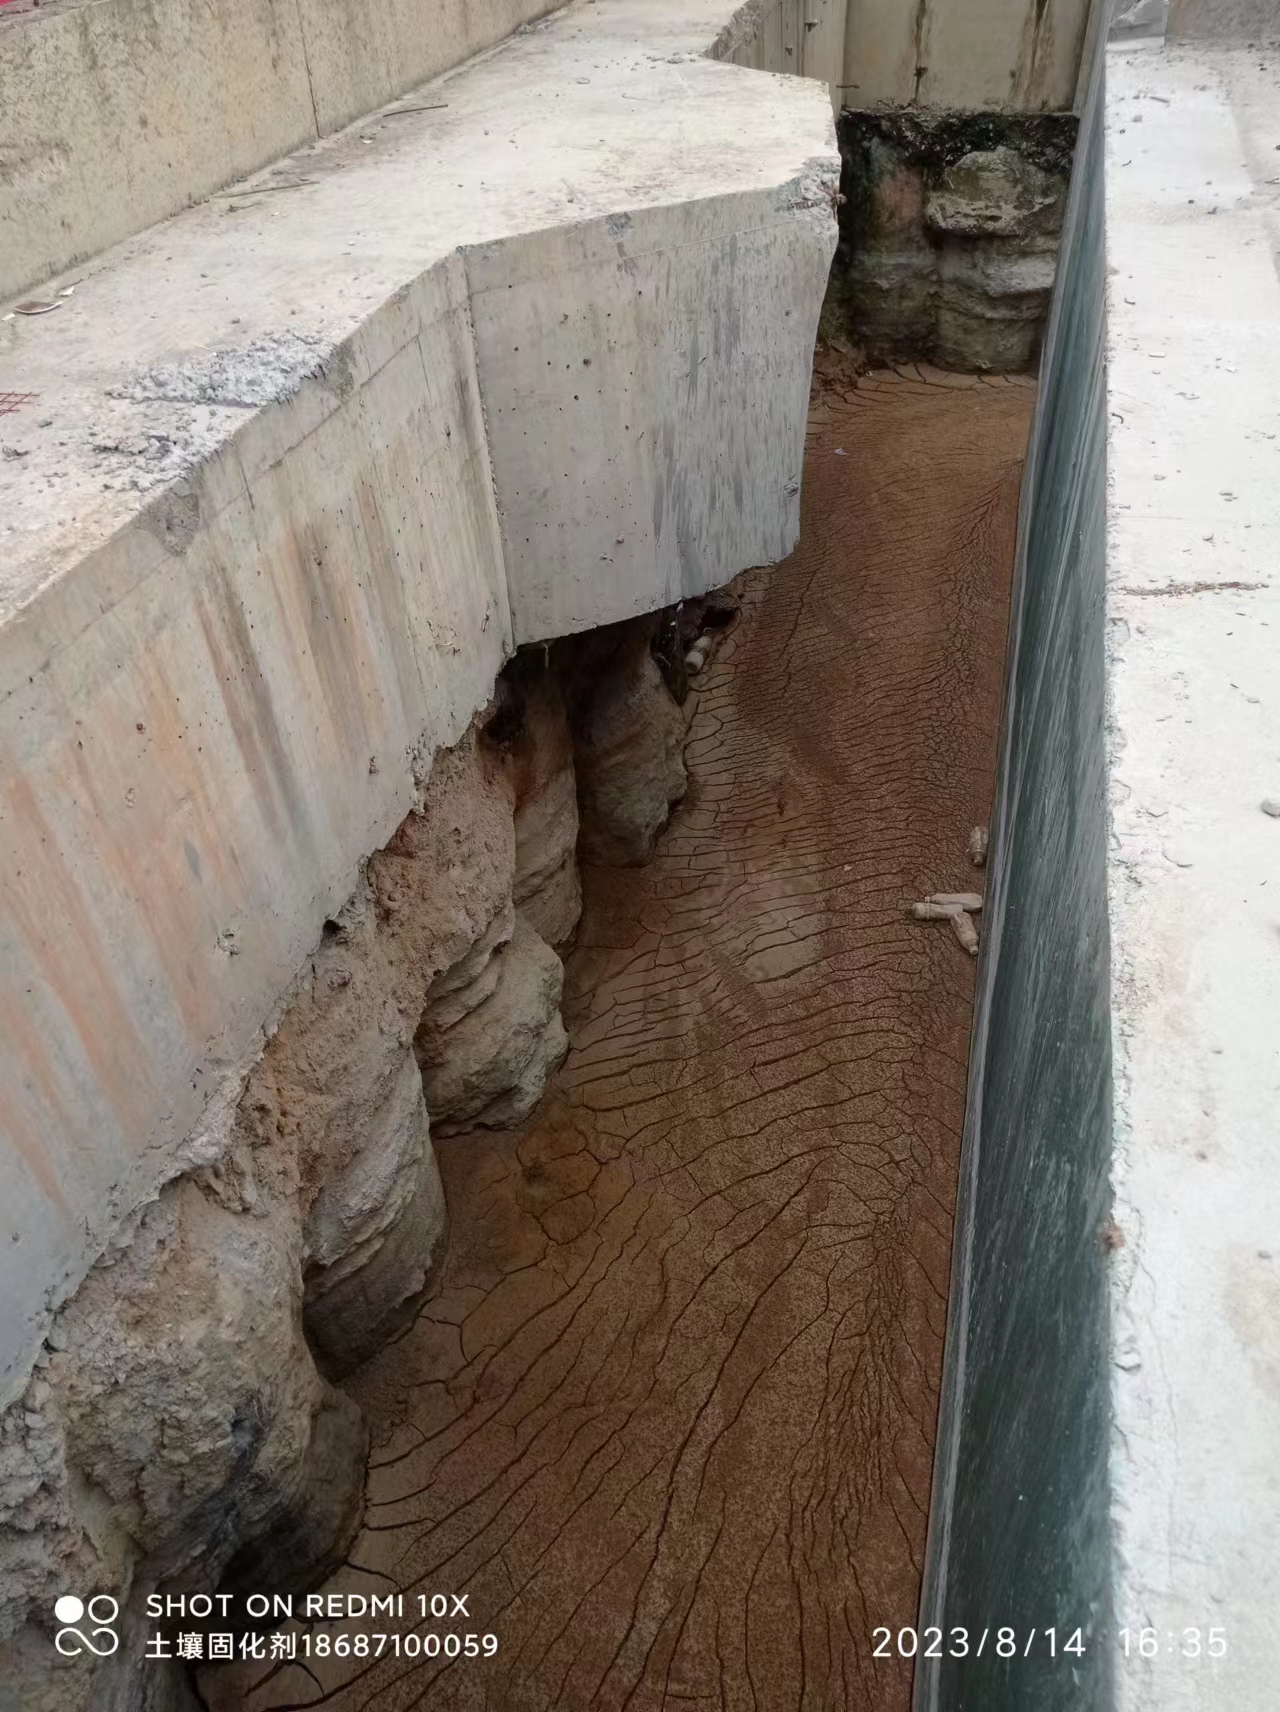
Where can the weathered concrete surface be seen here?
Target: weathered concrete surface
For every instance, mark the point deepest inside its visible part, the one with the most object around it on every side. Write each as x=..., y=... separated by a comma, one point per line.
x=803, y=38
x=667, y=1417
x=261, y=557
x=120, y=112
x=1193, y=233
x=1018, y=54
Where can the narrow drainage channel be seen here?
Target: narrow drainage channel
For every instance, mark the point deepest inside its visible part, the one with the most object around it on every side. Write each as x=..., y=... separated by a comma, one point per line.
x=666, y=1423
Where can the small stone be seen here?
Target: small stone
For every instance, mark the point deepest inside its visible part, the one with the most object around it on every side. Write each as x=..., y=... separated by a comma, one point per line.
x=1271, y=806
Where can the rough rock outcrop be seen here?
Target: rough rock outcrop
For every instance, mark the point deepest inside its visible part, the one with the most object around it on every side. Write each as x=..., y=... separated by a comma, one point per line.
x=336, y=1088
x=996, y=193
x=490, y=1065
x=629, y=744
x=375, y=1233
x=182, y=1430
x=949, y=236
x=547, y=888
x=180, y=1415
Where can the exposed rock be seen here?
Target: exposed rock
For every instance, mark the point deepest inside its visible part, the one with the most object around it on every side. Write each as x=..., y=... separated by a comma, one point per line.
x=491, y=1066
x=553, y=904
x=336, y=1091
x=177, y=1432
x=180, y=1423
x=375, y=1233
x=187, y=1392
x=547, y=888
x=996, y=193
x=629, y=736
x=949, y=236
x=991, y=306
x=473, y=977
x=316, y=1519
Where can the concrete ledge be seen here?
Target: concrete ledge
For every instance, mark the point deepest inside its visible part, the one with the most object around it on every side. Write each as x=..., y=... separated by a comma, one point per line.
x=1193, y=222
x=118, y=113
x=301, y=468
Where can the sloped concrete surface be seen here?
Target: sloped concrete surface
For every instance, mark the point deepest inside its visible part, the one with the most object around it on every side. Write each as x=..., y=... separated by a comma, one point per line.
x=234, y=632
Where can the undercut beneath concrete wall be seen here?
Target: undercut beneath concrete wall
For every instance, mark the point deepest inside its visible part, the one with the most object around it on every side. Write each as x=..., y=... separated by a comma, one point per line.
x=663, y=1421
x=183, y=1434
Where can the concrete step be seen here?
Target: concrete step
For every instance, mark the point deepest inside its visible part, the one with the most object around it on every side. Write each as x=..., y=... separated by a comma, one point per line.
x=120, y=112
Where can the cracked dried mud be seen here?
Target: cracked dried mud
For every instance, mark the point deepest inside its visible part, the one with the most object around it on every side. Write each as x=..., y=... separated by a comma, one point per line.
x=667, y=1419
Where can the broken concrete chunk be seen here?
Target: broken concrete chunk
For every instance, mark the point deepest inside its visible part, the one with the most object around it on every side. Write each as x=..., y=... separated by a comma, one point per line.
x=957, y=900
x=978, y=840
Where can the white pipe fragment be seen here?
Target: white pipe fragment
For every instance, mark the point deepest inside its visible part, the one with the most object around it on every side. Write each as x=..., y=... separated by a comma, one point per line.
x=965, y=931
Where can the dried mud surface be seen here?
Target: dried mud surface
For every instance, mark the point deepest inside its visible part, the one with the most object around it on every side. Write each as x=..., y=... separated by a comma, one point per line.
x=667, y=1421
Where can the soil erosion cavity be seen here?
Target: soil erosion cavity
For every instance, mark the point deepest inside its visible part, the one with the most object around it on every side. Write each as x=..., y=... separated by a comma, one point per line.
x=667, y=1419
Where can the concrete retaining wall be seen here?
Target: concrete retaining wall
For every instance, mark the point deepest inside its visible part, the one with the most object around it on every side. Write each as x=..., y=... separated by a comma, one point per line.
x=296, y=473
x=115, y=114
x=1018, y=54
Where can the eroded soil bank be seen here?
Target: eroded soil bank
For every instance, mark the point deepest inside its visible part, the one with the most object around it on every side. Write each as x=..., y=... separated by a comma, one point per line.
x=667, y=1419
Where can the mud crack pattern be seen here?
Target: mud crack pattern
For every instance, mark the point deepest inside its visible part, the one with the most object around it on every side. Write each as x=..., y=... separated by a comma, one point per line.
x=668, y=1419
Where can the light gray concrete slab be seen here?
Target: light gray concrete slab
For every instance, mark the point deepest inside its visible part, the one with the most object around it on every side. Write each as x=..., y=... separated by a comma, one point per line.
x=119, y=112
x=1194, y=637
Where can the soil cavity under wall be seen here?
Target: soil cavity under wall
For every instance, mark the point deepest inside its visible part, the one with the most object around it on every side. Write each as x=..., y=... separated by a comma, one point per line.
x=186, y=1428
x=949, y=234
x=666, y=1417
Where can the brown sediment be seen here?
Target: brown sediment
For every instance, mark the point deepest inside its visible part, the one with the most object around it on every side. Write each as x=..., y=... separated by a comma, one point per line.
x=667, y=1420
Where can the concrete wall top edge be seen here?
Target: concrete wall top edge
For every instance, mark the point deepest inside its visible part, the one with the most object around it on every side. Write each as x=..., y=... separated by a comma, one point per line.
x=119, y=113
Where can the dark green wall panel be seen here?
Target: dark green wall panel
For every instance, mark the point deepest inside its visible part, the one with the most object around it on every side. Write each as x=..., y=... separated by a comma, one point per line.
x=1019, y=1529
